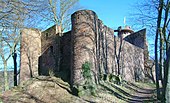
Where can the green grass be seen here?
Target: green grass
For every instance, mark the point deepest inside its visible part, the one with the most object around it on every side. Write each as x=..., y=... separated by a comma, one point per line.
x=112, y=93
x=148, y=85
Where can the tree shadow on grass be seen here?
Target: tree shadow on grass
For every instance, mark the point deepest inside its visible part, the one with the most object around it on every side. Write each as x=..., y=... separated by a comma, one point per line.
x=138, y=89
x=125, y=96
x=135, y=97
x=119, y=96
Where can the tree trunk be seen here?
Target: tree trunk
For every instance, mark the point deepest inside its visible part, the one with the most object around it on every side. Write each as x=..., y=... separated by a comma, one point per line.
x=6, y=84
x=161, y=61
x=15, y=68
x=157, y=68
x=119, y=55
x=168, y=78
x=156, y=47
x=166, y=66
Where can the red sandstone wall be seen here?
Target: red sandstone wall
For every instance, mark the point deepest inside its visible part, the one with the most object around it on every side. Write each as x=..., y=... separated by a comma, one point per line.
x=132, y=62
x=47, y=62
x=48, y=38
x=49, y=51
x=90, y=40
x=83, y=42
x=115, y=54
x=30, y=51
x=66, y=51
x=94, y=42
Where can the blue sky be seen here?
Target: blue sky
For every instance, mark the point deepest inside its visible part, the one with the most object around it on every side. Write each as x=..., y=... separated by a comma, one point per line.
x=111, y=12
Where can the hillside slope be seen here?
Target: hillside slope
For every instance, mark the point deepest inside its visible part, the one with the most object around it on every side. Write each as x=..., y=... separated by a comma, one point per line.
x=41, y=90
x=54, y=90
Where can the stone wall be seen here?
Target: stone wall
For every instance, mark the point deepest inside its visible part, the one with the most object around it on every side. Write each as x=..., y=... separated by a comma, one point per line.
x=66, y=51
x=49, y=51
x=94, y=42
x=89, y=40
x=30, y=51
x=137, y=38
x=83, y=42
x=48, y=38
x=118, y=56
x=47, y=62
x=132, y=62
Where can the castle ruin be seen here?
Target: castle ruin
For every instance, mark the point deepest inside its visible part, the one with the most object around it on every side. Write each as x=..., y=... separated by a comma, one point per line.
x=88, y=40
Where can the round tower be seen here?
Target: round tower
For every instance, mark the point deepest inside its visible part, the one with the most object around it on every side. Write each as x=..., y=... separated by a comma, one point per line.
x=84, y=24
x=123, y=32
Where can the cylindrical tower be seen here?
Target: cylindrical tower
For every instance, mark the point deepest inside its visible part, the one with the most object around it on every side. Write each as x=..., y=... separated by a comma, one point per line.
x=84, y=25
x=123, y=32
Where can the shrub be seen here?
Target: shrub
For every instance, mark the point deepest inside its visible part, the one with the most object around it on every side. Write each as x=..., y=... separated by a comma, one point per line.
x=87, y=74
x=86, y=71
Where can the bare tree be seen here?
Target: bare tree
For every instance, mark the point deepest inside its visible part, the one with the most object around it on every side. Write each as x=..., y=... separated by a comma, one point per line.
x=167, y=90
x=5, y=54
x=59, y=12
x=154, y=14
x=8, y=19
x=18, y=14
x=156, y=46
x=12, y=16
